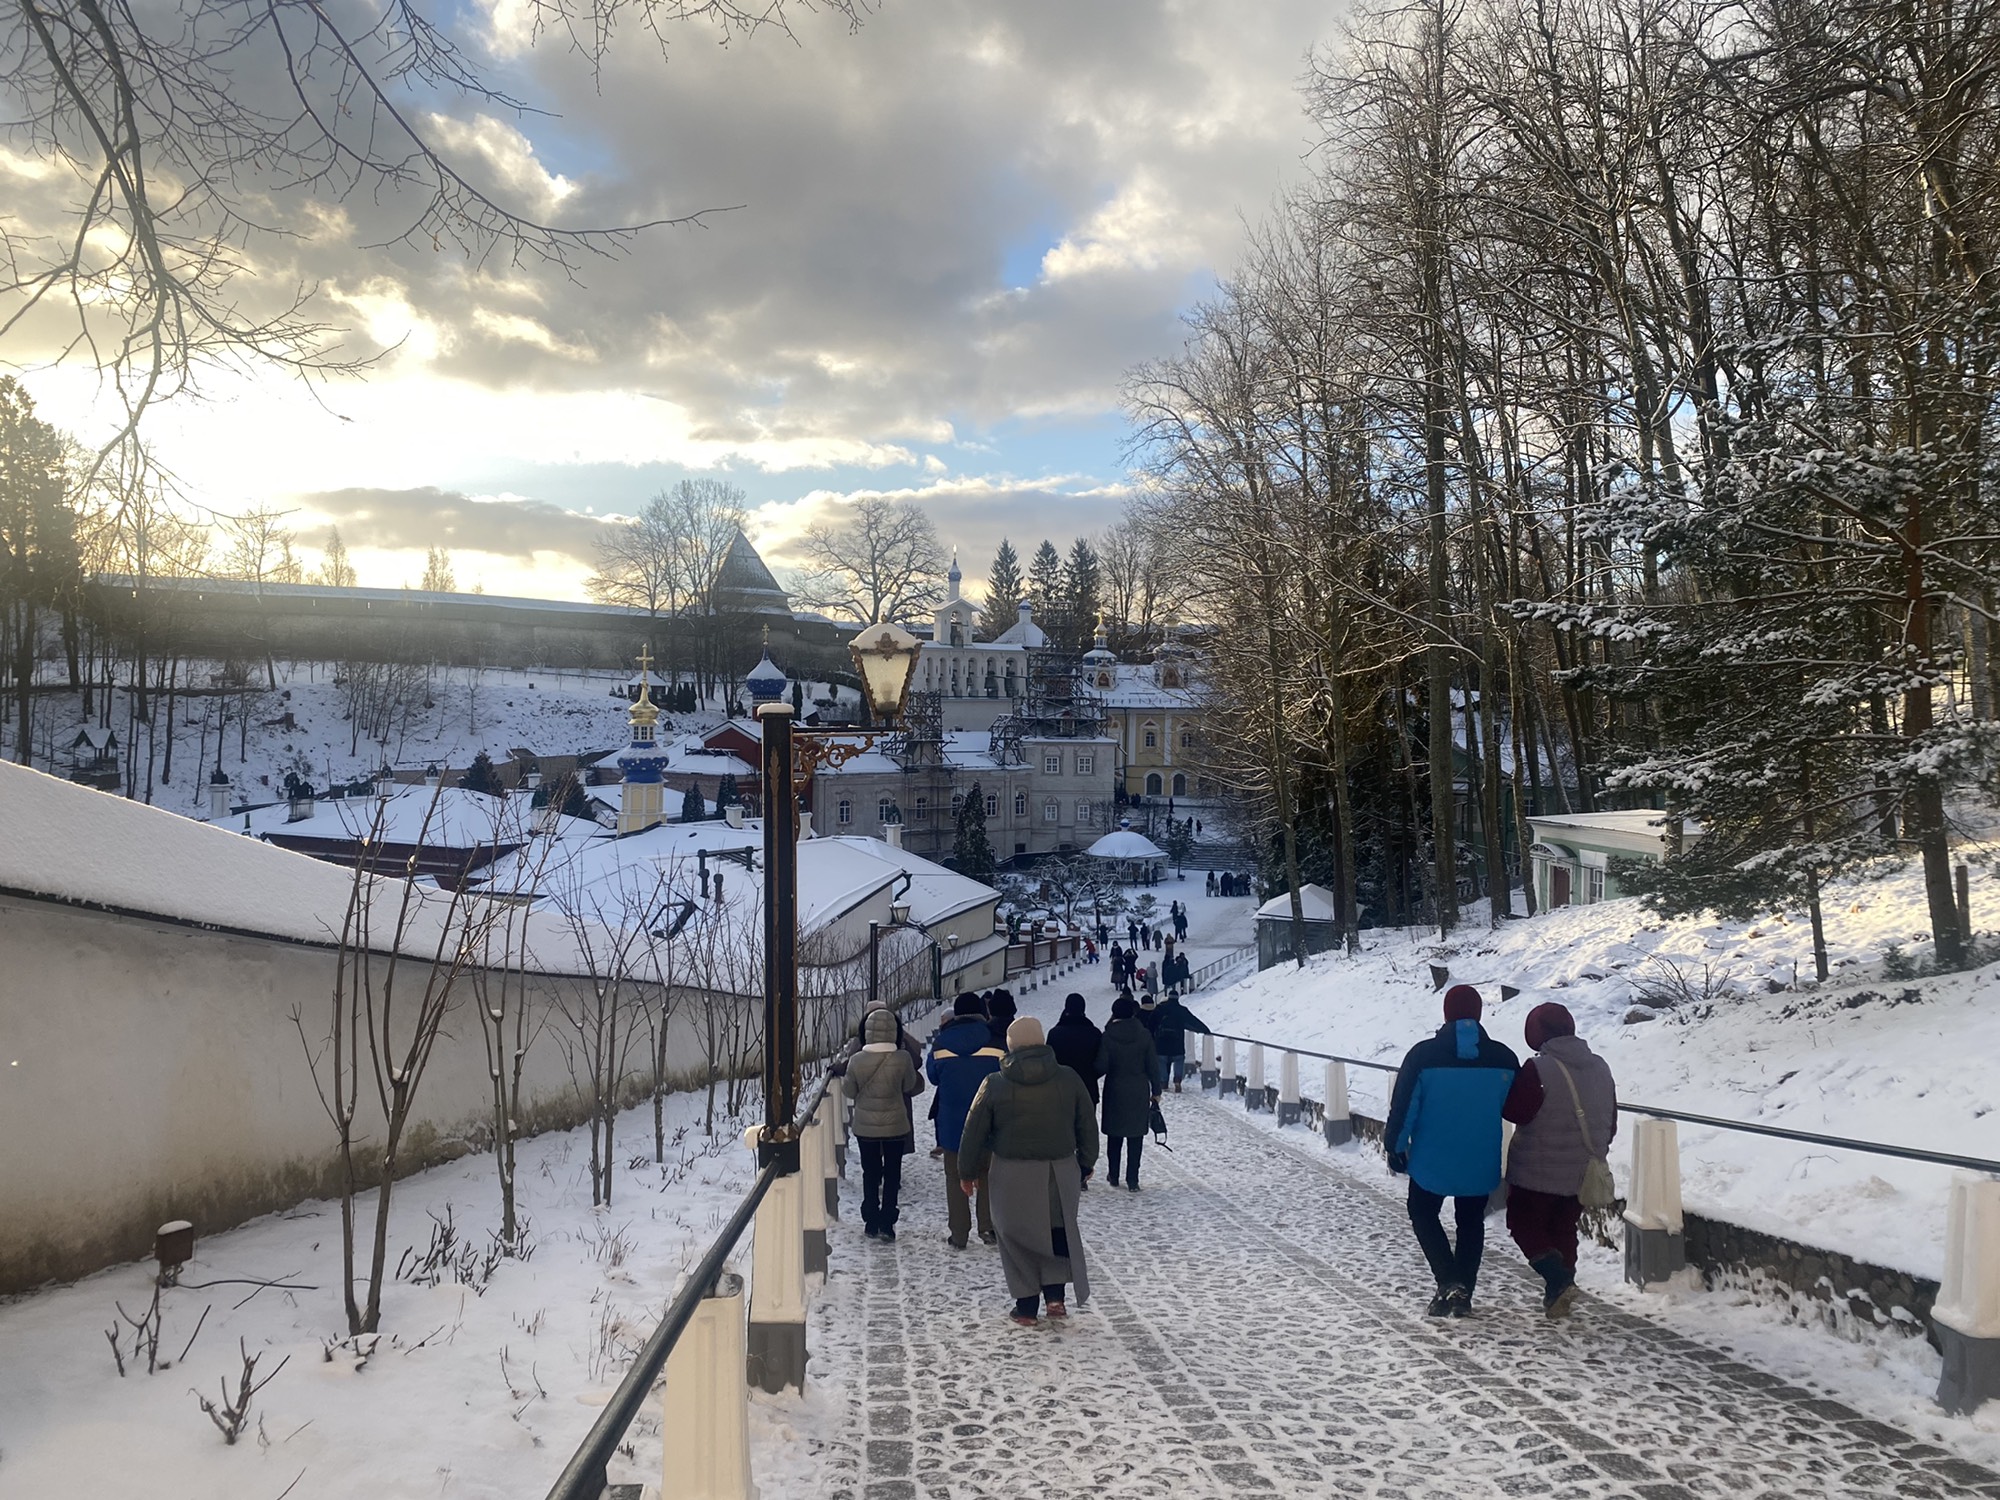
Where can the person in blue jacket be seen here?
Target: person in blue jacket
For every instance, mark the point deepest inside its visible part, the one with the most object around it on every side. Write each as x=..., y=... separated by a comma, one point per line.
x=1444, y=1130
x=962, y=1055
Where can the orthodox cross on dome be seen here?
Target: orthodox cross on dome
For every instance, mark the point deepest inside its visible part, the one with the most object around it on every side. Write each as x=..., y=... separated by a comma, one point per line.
x=644, y=715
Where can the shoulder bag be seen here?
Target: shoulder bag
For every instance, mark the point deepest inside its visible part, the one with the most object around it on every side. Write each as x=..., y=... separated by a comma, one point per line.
x=1598, y=1189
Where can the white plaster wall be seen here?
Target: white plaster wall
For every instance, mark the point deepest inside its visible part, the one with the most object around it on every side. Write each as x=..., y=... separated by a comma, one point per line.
x=152, y=1071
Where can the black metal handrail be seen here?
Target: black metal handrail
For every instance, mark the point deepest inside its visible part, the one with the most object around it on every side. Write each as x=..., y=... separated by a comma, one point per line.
x=585, y=1476
x=1655, y=1112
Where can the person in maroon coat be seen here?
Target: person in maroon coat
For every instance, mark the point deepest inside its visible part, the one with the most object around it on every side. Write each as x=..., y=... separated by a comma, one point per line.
x=1564, y=1106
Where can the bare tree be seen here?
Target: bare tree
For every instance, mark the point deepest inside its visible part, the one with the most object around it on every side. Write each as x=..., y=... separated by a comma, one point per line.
x=881, y=561
x=186, y=144
x=403, y=950
x=440, y=577
x=663, y=563
x=335, y=570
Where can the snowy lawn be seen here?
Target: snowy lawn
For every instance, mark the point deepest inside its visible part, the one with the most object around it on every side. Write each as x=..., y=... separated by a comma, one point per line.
x=1868, y=1056
x=468, y=1392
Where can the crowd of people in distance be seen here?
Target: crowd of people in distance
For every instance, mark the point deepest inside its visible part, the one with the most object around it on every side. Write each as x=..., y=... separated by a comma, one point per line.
x=1021, y=1119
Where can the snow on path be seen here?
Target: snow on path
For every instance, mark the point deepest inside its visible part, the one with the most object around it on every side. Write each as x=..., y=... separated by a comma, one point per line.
x=1248, y=1337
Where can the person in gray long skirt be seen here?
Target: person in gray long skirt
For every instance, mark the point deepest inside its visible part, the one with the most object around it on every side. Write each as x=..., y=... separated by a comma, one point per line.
x=1032, y=1119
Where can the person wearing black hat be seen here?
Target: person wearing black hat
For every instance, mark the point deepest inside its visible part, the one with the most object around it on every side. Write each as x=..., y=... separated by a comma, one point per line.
x=1001, y=1010
x=1075, y=1039
x=1564, y=1106
x=1131, y=1069
x=962, y=1055
x=1444, y=1130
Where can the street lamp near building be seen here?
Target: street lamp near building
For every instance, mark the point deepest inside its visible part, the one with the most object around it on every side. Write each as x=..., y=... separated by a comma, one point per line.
x=885, y=658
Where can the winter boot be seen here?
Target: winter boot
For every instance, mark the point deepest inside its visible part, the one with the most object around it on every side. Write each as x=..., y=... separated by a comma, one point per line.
x=1458, y=1302
x=1558, y=1285
x=1440, y=1304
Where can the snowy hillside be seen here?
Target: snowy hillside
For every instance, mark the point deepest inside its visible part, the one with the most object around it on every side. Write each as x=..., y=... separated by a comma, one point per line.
x=1907, y=1061
x=447, y=715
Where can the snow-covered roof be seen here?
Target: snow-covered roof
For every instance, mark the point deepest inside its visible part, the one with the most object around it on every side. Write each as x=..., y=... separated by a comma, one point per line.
x=444, y=817
x=1646, y=823
x=1024, y=631
x=935, y=893
x=1138, y=687
x=687, y=753
x=1125, y=843
x=1315, y=901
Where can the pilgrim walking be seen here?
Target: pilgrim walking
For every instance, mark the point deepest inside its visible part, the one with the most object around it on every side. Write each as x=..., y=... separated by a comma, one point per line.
x=1030, y=1126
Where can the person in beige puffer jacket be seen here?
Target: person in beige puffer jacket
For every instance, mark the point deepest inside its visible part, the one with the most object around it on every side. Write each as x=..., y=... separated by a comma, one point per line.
x=880, y=1078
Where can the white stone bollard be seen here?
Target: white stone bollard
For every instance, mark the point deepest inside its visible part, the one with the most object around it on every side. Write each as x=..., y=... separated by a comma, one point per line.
x=1253, y=1093
x=1288, y=1089
x=775, y=1354
x=1338, y=1121
x=704, y=1406
x=830, y=1115
x=1654, y=1247
x=1209, y=1071
x=812, y=1196
x=1966, y=1316
x=1228, y=1076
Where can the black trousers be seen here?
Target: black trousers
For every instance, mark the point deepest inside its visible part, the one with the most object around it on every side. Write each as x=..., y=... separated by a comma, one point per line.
x=881, y=1180
x=1135, y=1146
x=1451, y=1267
x=1027, y=1307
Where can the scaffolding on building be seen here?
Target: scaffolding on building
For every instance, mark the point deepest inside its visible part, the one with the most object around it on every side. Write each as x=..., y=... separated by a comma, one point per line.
x=917, y=747
x=1055, y=704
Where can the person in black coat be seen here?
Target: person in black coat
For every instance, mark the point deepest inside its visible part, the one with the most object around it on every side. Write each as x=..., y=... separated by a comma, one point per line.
x=1075, y=1039
x=1001, y=1008
x=1131, y=1069
x=1172, y=1021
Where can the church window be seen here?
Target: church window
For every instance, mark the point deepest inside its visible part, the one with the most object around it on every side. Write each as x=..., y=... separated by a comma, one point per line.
x=992, y=804
x=883, y=808
x=921, y=809
x=1152, y=738
x=844, y=813
x=1020, y=804
x=1187, y=739
x=1153, y=784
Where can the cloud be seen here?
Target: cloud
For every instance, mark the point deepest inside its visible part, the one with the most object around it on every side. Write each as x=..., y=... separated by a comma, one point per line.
x=386, y=520
x=972, y=515
x=853, y=310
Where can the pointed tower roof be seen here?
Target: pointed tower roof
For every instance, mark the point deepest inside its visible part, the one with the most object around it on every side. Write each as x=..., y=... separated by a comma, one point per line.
x=745, y=586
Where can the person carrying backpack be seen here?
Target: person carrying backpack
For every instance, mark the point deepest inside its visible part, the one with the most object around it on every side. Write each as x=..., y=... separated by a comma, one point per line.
x=962, y=1055
x=1564, y=1105
x=1444, y=1131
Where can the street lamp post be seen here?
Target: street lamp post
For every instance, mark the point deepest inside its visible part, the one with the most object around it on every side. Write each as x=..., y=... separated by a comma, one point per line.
x=885, y=656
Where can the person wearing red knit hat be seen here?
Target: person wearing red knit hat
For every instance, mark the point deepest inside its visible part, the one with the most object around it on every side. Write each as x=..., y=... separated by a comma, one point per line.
x=1444, y=1130
x=1564, y=1106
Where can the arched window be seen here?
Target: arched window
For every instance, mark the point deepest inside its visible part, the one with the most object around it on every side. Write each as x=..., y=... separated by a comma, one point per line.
x=1187, y=739
x=1151, y=736
x=957, y=803
x=1020, y=804
x=1180, y=784
x=1153, y=784
x=844, y=813
x=920, y=810
x=884, y=807
x=992, y=804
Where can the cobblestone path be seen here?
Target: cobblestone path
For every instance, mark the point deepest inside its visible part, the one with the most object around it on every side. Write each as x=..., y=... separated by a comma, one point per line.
x=1256, y=1328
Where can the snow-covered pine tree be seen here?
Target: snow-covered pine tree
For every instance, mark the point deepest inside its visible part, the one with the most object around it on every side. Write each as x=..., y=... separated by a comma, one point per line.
x=693, y=809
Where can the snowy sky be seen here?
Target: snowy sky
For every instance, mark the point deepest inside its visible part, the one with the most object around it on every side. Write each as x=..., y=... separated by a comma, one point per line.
x=958, y=225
